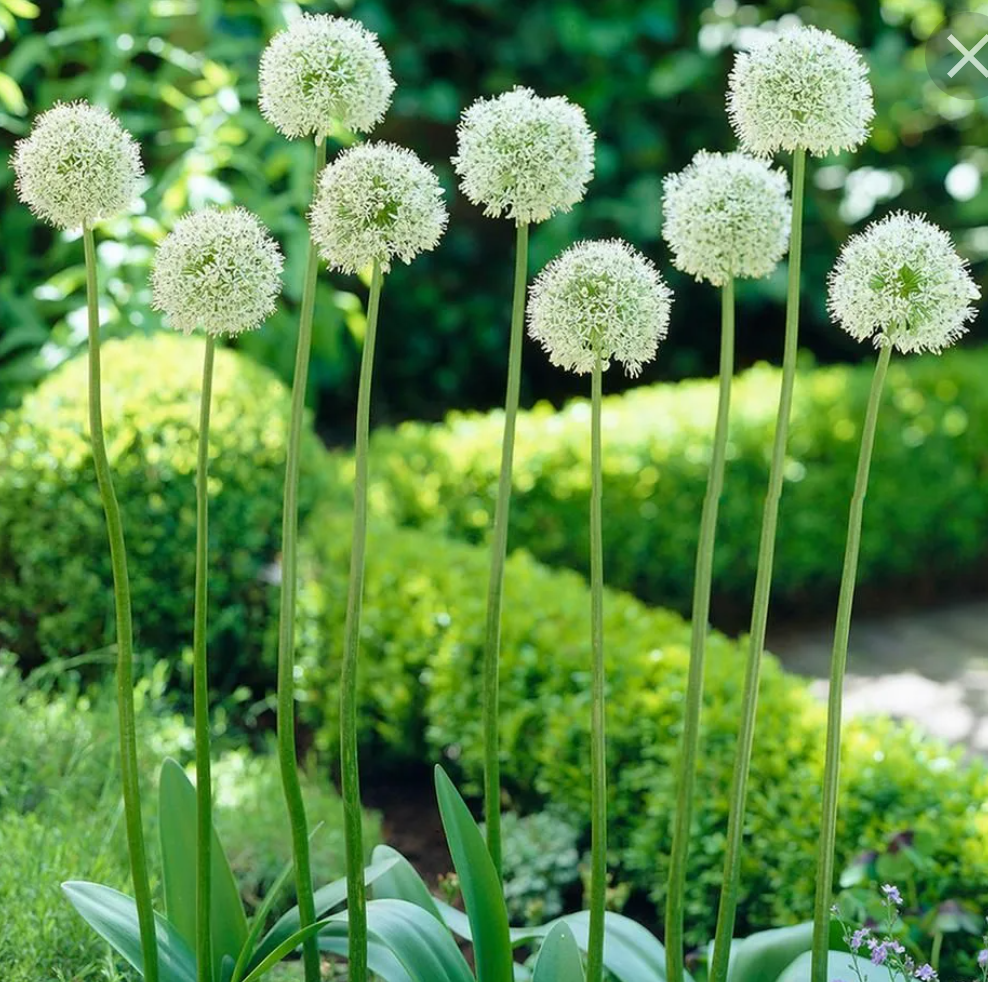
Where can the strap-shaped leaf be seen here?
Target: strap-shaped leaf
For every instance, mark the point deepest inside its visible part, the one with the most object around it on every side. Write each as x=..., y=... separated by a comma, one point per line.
x=422, y=945
x=284, y=949
x=559, y=957
x=326, y=898
x=479, y=883
x=177, y=817
x=402, y=882
x=765, y=954
x=381, y=960
x=113, y=915
x=631, y=952
x=261, y=916
x=840, y=965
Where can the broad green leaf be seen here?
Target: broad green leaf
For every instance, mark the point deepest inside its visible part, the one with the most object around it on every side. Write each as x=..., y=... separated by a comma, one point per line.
x=284, y=949
x=402, y=882
x=326, y=898
x=764, y=955
x=840, y=965
x=479, y=883
x=261, y=915
x=113, y=915
x=422, y=945
x=559, y=957
x=381, y=960
x=631, y=953
x=177, y=818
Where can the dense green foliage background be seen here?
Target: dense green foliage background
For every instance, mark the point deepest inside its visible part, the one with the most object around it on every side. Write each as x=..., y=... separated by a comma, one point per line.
x=650, y=73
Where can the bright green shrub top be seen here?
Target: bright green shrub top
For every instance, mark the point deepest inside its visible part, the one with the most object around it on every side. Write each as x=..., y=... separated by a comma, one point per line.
x=422, y=646
x=927, y=510
x=55, y=578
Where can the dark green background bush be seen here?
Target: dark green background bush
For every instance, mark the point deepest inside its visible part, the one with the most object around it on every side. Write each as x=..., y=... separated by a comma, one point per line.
x=55, y=580
x=422, y=646
x=926, y=517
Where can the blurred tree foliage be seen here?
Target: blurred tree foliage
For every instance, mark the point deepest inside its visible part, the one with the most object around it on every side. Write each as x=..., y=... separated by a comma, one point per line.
x=650, y=73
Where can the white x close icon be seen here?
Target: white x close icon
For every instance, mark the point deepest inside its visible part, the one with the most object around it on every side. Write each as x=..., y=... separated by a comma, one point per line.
x=968, y=56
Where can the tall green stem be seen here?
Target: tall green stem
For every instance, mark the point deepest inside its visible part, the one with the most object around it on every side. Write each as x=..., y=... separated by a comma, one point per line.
x=286, y=624
x=499, y=548
x=598, y=759
x=200, y=685
x=350, y=770
x=838, y=665
x=125, y=630
x=763, y=589
x=698, y=643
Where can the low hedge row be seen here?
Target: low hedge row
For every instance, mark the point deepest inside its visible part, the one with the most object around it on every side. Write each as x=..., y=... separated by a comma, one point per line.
x=927, y=500
x=55, y=579
x=422, y=646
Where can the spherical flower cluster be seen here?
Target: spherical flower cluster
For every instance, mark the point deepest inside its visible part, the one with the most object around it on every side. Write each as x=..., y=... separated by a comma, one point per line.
x=726, y=216
x=323, y=71
x=901, y=282
x=801, y=89
x=78, y=166
x=375, y=202
x=523, y=155
x=218, y=270
x=599, y=297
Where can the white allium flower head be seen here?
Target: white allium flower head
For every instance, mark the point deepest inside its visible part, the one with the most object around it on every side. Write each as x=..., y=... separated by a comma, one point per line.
x=219, y=270
x=78, y=166
x=324, y=70
x=802, y=88
x=901, y=282
x=374, y=202
x=726, y=216
x=524, y=156
x=599, y=296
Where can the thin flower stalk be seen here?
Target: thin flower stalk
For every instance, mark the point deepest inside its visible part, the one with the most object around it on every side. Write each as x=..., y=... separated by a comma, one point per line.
x=200, y=683
x=125, y=631
x=900, y=284
x=838, y=666
x=763, y=588
x=596, y=302
x=701, y=614
x=352, y=815
x=598, y=745
x=286, y=626
x=374, y=203
x=499, y=548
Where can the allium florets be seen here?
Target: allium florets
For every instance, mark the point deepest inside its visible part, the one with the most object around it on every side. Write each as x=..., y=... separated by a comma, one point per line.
x=901, y=282
x=78, y=166
x=524, y=156
x=800, y=89
x=599, y=297
x=375, y=202
x=726, y=216
x=217, y=270
x=321, y=71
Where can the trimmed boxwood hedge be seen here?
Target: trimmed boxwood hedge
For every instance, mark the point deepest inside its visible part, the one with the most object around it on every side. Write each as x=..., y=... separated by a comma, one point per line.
x=55, y=578
x=927, y=513
x=422, y=645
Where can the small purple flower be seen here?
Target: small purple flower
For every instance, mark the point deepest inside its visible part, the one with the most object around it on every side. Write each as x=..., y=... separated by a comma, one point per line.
x=858, y=938
x=983, y=958
x=892, y=893
x=926, y=973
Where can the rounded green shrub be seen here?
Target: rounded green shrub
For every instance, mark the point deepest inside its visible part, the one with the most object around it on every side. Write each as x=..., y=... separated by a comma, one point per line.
x=420, y=673
x=55, y=578
x=927, y=499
